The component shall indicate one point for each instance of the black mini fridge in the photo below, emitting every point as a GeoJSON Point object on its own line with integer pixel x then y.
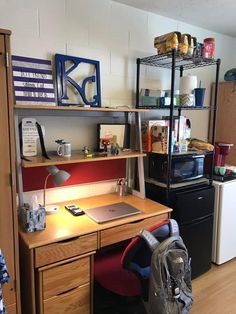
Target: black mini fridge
{"type": "Point", "coordinates": [193, 209]}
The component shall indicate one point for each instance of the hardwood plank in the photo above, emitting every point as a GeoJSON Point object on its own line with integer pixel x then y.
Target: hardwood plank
{"type": "Point", "coordinates": [40, 161]}
{"type": "Point", "coordinates": [73, 302]}
{"type": "Point", "coordinates": [74, 108]}
{"type": "Point", "coordinates": [11, 309]}
{"type": "Point", "coordinates": [129, 230]}
{"type": "Point", "coordinates": [63, 225]}
{"type": "Point", "coordinates": [65, 277]}
{"type": "Point", "coordinates": [215, 291]}
{"type": "Point", "coordinates": [5, 31]}
{"type": "Point", "coordinates": [6, 200]}
{"type": "Point", "coordinates": [28, 283]}
{"type": "Point", "coordinates": [10, 96]}
{"type": "Point", "coordinates": [226, 117]}
{"type": "Point", "coordinates": [59, 251]}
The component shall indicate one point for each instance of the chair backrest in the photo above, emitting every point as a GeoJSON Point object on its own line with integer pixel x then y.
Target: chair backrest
{"type": "Point", "coordinates": [138, 252]}
{"type": "Point", "coordinates": [137, 255]}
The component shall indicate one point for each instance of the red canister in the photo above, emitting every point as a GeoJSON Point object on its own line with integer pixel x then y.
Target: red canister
{"type": "Point", "coordinates": [209, 47]}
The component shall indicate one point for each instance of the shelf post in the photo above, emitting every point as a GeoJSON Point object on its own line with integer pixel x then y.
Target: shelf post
{"type": "Point", "coordinates": [181, 71]}
{"type": "Point", "coordinates": [139, 164]}
{"type": "Point", "coordinates": [218, 62]}
{"type": "Point", "coordinates": [171, 118]}
{"type": "Point", "coordinates": [137, 82]}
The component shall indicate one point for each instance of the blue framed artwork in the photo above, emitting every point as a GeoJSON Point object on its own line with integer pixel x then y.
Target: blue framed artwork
{"type": "Point", "coordinates": [33, 81]}
{"type": "Point", "coordinates": [78, 81]}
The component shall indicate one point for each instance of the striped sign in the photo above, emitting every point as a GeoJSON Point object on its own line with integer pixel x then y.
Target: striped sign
{"type": "Point", "coordinates": [33, 81]}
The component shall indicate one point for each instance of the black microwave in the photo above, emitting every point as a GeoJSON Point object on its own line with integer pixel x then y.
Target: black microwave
{"type": "Point", "coordinates": [184, 167]}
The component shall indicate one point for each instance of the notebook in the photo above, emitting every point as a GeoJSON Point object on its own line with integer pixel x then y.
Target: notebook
{"type": "Point", "coordinates": [111, 212]}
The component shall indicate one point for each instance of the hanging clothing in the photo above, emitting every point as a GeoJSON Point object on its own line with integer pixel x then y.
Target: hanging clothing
{"type": "Point", "coordinates": [4, 277]}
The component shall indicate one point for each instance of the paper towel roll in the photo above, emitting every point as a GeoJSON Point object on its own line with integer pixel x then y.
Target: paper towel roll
{"type": "Point", "coordinates": [187, 84]}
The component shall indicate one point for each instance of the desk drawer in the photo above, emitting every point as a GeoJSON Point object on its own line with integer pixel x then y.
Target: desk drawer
{"type": "Point", "coordinates": [72, 302]}
{"type": "Point", "coordinates": [129, 230]}
{"type": "Point", "coordinates": [65, 277]}
{"type": "Point", "coordinates": [61, 250]}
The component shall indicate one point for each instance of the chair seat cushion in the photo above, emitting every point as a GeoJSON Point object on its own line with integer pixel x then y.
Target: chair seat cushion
{"type": "Point", "coordinates": [108, 272]}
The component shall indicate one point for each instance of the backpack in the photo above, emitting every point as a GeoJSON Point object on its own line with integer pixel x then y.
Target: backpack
{"type": "Point", "coordinates": [170, 288]}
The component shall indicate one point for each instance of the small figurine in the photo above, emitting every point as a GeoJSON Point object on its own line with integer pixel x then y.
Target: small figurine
{"type": "Point", "coordinates": [115, 149]}
{"type": "Point", "coordinates": [85, 150]}
{"type": "Point", "coordinates": [105, 143]}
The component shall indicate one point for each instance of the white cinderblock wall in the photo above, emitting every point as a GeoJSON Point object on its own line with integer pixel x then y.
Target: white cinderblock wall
{"type": "Point", "coordinates": [115, 35]}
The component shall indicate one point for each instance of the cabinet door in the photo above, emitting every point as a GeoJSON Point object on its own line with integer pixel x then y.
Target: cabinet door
{"type": "Point", "coordinates": [6, 214]}
{"type": "Point", "coordinates": [197, 237]}
{"type": "Point", "coordinates": [226, 117]}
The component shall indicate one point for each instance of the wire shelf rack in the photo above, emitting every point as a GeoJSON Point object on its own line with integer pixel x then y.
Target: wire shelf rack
{"type": "Point", "coordinates": [179, 108]}
{"type": "Point", "coordinates": [182, 61]}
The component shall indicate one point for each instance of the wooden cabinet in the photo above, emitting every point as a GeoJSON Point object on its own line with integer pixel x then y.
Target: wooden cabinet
{"type": "Point", "coordinates": [74, 302]}
{"type": "Point", "coordinates": [8, 219]}
{"type": "Point", "coordinates": [126, 231]}
{"type": "Point", "coordinates": [65, 287]}
{"type": "Point", "coordinates": [58, 251]}
{"type": "Point", "coordinates": [226, 117]}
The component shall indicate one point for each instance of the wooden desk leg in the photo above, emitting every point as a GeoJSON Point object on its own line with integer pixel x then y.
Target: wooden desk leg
{"type": "Point", "coordinates": [27, 279]}
{"type": "Point", "coordinates": [91, 282]}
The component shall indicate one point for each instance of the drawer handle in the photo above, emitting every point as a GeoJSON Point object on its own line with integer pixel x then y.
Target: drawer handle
{"type": "Point", "coordinates": [136, 222]}
{"type": "Point", "coordinates": [66, 241]}
{"type": "Point", "coordinates": [68, 291]}
{"type": "Point", "coordinates": [200, 198]}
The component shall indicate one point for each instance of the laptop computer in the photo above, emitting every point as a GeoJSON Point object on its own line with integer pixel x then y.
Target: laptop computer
{"type": "Point", "coordinates": [111, 212]}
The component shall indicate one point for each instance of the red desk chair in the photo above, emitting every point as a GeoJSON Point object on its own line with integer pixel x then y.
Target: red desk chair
{"type": "Point", "coordinates": [126, 272]}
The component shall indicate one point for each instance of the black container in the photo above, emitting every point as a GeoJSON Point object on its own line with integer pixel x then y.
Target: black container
{"type": "Point", "coordinates": [193, 209]}
{"type": "Point", "coordinates": [184, 167]}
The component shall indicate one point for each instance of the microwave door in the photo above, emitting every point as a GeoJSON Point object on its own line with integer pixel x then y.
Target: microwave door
{"type": "Point", "coordinates": [198, 166]}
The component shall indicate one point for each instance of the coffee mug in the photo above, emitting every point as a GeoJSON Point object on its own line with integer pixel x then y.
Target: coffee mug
{"type": "Point", "coordinates": [64, 149]}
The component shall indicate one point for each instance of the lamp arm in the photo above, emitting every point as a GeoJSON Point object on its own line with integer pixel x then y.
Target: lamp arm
{"type": "Point", "coordinates": [44, 189]}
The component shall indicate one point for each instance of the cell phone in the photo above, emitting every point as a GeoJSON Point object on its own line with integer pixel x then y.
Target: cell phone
{"type": "Point", "coordinates": [74, 209]}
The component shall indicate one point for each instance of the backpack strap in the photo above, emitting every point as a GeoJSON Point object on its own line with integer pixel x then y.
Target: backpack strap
{"type": "Point", "coordinates": [149, 238]}
{"type": "Point", "coordinates": [174, 228]}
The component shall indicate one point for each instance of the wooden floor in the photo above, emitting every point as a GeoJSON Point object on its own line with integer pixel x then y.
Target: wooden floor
{"type": "Point", "coordinates": [215, 291]}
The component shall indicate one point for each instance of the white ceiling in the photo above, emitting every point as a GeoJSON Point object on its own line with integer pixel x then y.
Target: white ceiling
{"type": "Point", "coordinates": [215, 15]}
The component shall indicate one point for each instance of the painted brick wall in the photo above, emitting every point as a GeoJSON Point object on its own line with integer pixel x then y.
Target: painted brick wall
{"type": "Point", "coordinates": [112, 33]}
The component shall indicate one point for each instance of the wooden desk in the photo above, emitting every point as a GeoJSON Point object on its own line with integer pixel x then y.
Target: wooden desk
{"type": "Point", "coordinates": [57, 263]}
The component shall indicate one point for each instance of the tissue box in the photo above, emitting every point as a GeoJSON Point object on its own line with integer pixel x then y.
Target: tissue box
{"type": "Point", "coordinates": [33, 220]}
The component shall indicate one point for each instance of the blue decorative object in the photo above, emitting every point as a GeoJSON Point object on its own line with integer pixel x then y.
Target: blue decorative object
{"type": "Point", "coordinates": [230, 75]}
{"type": "Point", "coordinates": [65, 68]}
{"type": "Point", "coordinates": [4, 278]}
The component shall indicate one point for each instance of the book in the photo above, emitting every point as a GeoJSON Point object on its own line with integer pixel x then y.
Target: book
{"type": "Point", "coordinates": [160, 137]}
{"type": "Point", "coordinates": [146, 126]}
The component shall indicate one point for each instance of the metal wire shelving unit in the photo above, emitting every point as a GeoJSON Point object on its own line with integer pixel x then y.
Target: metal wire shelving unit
{"type": "Point", "coordinates": [176, 61]}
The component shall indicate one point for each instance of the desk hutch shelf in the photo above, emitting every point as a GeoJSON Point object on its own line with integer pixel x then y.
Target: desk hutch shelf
{"type": "Point", "coordinates": [129, 115]}
{"type": "Point", "coordinates": [40, 161]}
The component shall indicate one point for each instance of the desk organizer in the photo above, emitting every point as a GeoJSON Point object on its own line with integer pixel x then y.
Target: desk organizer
{"type": "Point", "coordinates": [33, 220]}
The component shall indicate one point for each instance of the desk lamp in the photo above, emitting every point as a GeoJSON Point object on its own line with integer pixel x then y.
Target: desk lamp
{"type": "Point", "coordinates": [58, 177]}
